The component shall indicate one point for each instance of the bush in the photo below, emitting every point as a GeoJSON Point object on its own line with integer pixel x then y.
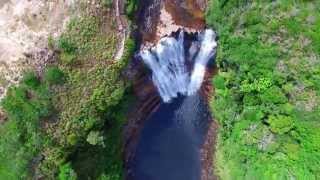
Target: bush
{"type": "Point", "coordinates": [67, 173]}
{"type": "Point", "coordinates": [31, 80]}
{"type": "Point", "coordinates": [67, 45]}
{"type": "Point", "coordinates": [131, 8]}
{"type": "Point", "coordinates": [274, 95]}
{"type": "Point", "coordinates": [95, 138]}
{"type": "Point", "coordinates": [53, 75]}
{"type": "Point", "coordinates": [280, 124]}
{"type": "Point", "coordinates": [130, 48]}
{"type": "Point", "coordinates": [67, 59]}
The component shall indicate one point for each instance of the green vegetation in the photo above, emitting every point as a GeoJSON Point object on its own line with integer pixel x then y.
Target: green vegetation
{"type": "Point", "coordinates": [91, 118]}
{"type": "Point", "coordinates": [54, 75]}
{"type": "Point", "coordinates": [28, 106]}
{"type": "Point", "coordinates": [107, 3]}
{"type": "Point", "coordinates": [131, 8]}
{"type": "Point", "coordinates": [67, 173]}
{"type": "Point", "coordinates": [267, 92]}
{"type": "Point", "coordinates": [67, 124]}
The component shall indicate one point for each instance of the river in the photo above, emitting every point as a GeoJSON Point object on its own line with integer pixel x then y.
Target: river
{"type": "Point", "coordinates": [170, 142]}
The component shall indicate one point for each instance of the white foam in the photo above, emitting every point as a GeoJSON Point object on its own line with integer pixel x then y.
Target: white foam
{"type": "Point", "coordinates": [167, 62]}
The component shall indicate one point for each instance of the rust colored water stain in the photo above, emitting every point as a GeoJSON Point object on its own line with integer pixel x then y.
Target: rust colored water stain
{"type": "Point", "coordinates": [159, 18]}
{"type": "Point", "coordinates": [186, 13]}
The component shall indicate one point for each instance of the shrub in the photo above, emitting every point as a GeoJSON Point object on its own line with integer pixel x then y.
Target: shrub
{"type": "Point", "coordinates": [67, 45]}
{"type": "Point", "coordinates": [219, 82]}
{"type": "Point", "coordinates": [274, 95]}
{"type": "Point", "coordinates": [53, 75]}
{"type": "Point", "coordinates": [280, 124]}
{"type": "Point", "coordinates": [131, 7]}
{"type": "Point", "coordinates": [130, 48]}
{"type": "Point", "coordinates": [67, 59]}
{"type": "Point", "coordinates": [31, 80]}
{"type": "Point", "coordinates": [67, 173]}
{"type": "Point", "coordinates": [95, 138]}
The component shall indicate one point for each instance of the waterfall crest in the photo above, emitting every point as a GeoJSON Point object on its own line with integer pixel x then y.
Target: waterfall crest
{"type": "Point", "coordinates": [167, 61]}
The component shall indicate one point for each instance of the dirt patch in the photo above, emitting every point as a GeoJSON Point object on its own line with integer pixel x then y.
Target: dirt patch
{"type": "Point", "coordinates": [24, 30]}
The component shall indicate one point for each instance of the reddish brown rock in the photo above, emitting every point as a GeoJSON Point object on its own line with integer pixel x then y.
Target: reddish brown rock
{"type": "Point", "coordinates": [208, 148]}
{"type": "Point", "coordinates": [186, 13]}
{"type": "Point", "coordinates": [159, 18]}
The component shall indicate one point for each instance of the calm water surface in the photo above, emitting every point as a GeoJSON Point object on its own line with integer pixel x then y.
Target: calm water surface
{"type": "Point", "coordinates": [170, 142]}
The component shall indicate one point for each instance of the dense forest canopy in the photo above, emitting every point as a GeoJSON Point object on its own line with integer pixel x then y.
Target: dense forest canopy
{"type": "Point", "coordinates": [267, 91]}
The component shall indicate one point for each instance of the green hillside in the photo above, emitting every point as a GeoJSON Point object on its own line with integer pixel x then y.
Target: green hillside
{"type": "Point", "coordinates": [66, 123]}
{"type": "Point", "coordinates": [267, 93]}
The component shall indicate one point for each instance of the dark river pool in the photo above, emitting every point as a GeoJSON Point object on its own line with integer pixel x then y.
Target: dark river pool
{"type": "Point", "coordinates": [171, 139]}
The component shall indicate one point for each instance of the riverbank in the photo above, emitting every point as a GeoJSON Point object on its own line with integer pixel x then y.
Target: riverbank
{"type": "Point", "coordinates": [209, 148]}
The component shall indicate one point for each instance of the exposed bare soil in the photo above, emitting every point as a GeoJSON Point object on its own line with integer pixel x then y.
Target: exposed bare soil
{"type": "Point", "coordinates": [24, 30]}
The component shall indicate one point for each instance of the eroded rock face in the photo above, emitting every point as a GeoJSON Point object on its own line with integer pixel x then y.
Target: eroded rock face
{"type": "Point", "coordinates": [148, 18]}
{"type": "Point", "coordinates": [187, 13]}
{"type": "Point", "coordinates": [25, 26]}
{"type": "Point", "coordinates": [159, 18]}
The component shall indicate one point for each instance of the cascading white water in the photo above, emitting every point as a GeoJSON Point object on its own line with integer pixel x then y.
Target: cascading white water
{"type": "Point", "coordinates": [167, 61]}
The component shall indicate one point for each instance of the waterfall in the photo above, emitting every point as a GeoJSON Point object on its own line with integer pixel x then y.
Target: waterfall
{"type": "Point", "coordinates": [167, 61]}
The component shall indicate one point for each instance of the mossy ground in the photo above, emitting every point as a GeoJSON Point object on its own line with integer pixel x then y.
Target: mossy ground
{"type": "Point", "coordinates": [267, 97]}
